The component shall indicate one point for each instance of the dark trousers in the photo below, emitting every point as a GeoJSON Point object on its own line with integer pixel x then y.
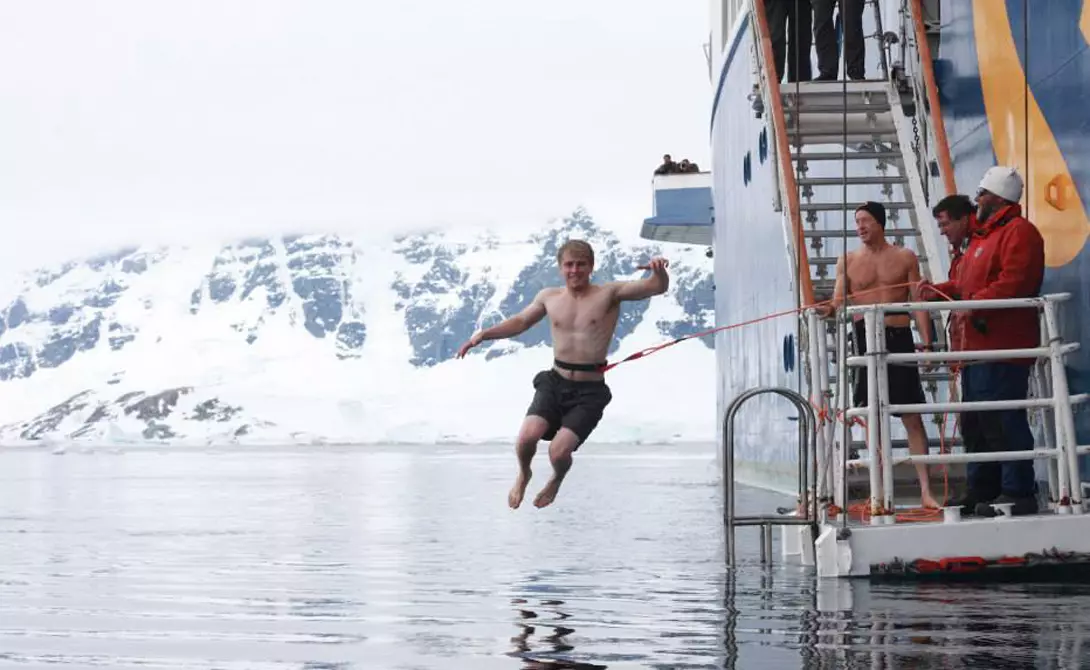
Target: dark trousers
{"type": "Point", "coordinates": [790, 23]}
{"type": "Point", "coordinates": [1004, 430]}
{"type": "Point", "coordinates": [851, 15]}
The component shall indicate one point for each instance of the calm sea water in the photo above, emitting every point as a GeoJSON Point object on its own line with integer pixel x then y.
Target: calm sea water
{"type": "Point", "coordinates": [409, 558]}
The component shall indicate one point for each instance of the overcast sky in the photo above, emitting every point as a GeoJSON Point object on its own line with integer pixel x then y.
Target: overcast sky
{"type": "Point", "coordinates": [155, 120]}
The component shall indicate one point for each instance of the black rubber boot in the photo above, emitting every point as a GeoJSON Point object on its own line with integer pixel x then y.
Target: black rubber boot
{"type": "Point", "coordinates": [1022, 506]}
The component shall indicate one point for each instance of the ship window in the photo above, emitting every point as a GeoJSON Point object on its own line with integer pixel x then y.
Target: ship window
{"type": "Point", "coordinates": [788, 352]}
{"type": "Point", "coordinates": [730, 10]}
{"type": "Point", "coordinates": [727, 16]}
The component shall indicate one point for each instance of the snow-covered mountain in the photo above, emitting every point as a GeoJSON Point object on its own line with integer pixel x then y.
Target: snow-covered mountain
{"type": "Point", "coordinates": [333, 338]}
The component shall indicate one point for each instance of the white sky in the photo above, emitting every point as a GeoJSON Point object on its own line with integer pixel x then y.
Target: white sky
{"type": "Point", "coordinates": [147, 120]}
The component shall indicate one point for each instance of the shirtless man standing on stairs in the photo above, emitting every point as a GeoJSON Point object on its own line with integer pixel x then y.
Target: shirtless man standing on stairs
{"type": "Point", "coordinates": [880, 272]}
{"type": "Point", "coordinates": [571, 396]}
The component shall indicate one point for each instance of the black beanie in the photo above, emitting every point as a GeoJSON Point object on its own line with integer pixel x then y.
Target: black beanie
{"type": "Point", "coordinates": [876, 210]}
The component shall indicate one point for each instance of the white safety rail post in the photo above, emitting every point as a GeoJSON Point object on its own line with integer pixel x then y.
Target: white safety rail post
{"type": "Point", "coordinates": [1061, 401]}
{"type": "Point", "coordinates": [845, 442]}
{"type": "Point", "coordinates": [874, 428]}
{"type": "Point", "coordinates": [1046, 417]}
{"type": "Point", "coordinates": [886, 443]}
{"type": "Point", "coordinates": [828, 424]}
{"type": "Point", "coordinates": [1062, 413]}
{"type": "Point", "coordinates": [819, 398]}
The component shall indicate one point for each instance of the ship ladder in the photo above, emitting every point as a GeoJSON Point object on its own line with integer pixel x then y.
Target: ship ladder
{"type": "Point", "coordinates": [807, 511]}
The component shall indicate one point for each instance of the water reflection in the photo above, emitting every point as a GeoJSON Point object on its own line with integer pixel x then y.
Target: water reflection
{"type": "Point", "coordinates": [925, 626]}
{"type": "Point", "coordinates": [538, 640]}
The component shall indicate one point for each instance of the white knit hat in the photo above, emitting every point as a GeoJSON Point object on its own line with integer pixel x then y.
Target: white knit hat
{"type": "Point", "coordinates": [1003, 181]}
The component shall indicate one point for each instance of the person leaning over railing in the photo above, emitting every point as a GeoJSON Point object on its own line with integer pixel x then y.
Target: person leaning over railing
{"type": "Point", "coordinates": [1005, 259]}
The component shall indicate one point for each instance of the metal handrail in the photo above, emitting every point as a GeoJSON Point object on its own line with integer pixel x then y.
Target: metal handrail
{"type": "Point", "coordinates": [878, 409]}
{"type": "Point", "coordinates": [807, 431]}
{"type": "Point", "coordinates": [771, 86]}
{"type": "Point", "coordinates": [959, 305]}
{"type": "Point", "coordinates": [937, 127]}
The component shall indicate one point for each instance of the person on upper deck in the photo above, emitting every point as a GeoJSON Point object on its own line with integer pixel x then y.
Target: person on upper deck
{"type": "Point", "coordinates": [688, 167]}
{"type": "Point", "coordinates": [851, 15]}
{"type": "Point", "coordinates": [1005, 259]}
{"type": "Point", "coordinates": [956, 217]}
{"type": "Point", "coordinates": [668, 166]}
{"type": "Point", "coordinates": [790, 23]}
{"type": "Point", "coordinates": [880, 272]}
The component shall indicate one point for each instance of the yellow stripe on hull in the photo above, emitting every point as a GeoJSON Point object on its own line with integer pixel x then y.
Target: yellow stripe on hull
{"type": "Point", "coordinates": [1051, 200]}
{"type": "Point", "coordinates": [1084, 23]}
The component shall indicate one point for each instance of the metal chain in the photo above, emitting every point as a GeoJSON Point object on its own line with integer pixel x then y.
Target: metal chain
{"type": "Point", "coordinates": [916, 135]}
{"type": "Point", "coordinates": [921, 163]}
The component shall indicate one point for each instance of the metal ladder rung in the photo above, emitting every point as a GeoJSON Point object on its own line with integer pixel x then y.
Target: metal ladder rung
{"type": "Point", "coordinates": [847, 155]}
{"type": "Point", "coordinates": [803, 106]}
{"type": "Point", "coordinates": [850, 181]}
{"type": "Point", "coordinates": [801, 139]}
{"type": "Point", "coordinates": [879, 88]}
{"type": "Point", "coordinates": [834, 234]}
{"type": "Point", "coordinates": [831, 261]}
{"type": "Point", "coordinates": [841, 206]}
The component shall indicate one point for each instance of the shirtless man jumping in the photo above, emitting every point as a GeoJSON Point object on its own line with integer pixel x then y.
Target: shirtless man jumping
{"type": "Point", "coordinates": [571, 396]}
{"type": "Point", "coordinates": [881, 273]}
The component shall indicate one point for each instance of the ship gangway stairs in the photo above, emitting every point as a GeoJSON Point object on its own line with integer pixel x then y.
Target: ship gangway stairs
{"type": "Point", "coordinates": [837, 145]}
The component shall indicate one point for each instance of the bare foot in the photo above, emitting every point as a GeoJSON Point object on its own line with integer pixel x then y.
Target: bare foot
{"type": "Point", "coordinates": [514, 498]}
{"type": "Point", "coordinates": [547, 494]}
{"type": "Point", "coordinates": [929, 503]}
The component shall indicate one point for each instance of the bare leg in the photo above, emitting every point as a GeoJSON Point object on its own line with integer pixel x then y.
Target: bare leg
{"type": "Point", "coordinates": [560, 451]}
{"type": "Point", "coordinates": [533, 427]}
{"type": "Point", "coordinates": [917, 446]}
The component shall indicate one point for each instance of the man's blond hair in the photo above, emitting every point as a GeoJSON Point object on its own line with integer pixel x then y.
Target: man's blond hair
{"type": "Point", "coordinates": [577, 249]}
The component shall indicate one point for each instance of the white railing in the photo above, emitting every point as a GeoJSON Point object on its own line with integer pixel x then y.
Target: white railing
{"type": "Point", "coordinates": [1060, 449]}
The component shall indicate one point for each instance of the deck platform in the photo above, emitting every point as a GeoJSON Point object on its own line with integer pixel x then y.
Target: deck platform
{"type": "Point", "coordinates": [942, 547]}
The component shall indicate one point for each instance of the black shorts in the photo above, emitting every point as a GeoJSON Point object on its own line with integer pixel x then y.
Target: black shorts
{"type": "Point", "coordinates": [905, 386]}
{"type": "Point", "coordinates": [577, 406]}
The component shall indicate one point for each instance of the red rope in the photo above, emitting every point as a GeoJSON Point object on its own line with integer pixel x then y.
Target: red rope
{"type": "Point", "coordinates": [659, 347]}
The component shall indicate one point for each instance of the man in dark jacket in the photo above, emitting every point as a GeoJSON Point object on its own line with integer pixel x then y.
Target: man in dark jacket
{"type": "Point", "coordinates": [1005, 259]}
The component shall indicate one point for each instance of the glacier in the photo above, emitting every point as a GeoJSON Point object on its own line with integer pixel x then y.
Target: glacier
{"type": "Point", "coordinates": [332, 338]}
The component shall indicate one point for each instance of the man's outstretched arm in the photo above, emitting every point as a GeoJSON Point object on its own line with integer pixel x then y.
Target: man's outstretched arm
{"type": "Point", "coordinates": [516, 325]}
{"type": "Point", "coordinates": [656, 284]}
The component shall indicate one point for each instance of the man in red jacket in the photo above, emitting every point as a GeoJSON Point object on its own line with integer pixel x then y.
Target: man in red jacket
{"type": "Point", "coordinates": [1005, 259]}
{"type": "Point", "coordinates": [956, 218]}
